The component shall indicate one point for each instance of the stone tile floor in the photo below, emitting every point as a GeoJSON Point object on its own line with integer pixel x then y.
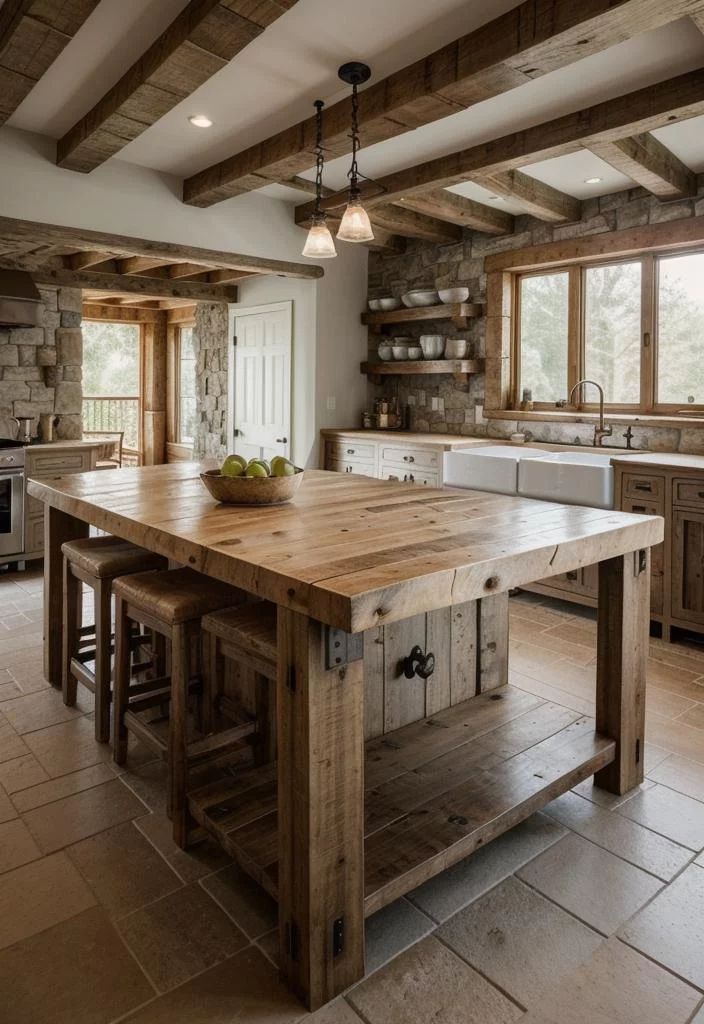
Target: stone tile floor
{"type": "Point", "coordinates": [591, 912]}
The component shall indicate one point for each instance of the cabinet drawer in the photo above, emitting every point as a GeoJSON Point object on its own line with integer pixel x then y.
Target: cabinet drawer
{"type": "Point", "coordinates": [410, 476]}
{"type": "Point", "coordinates": [584, 582]}
{"type": "Point", "coordinates": [688, 492]}
{"type": "Point", "coordinates": [636, 485]}
{"type": "Point", "coordinates": [361, 468]}
{"type": "Point", "coordinates": [657, 553]}
{"type": "Point", "coordinates": [402, 456]}
{"type": "Point", "coordinates": [344, 451]}
{"type": "Point", "coordinates": [48, 465]}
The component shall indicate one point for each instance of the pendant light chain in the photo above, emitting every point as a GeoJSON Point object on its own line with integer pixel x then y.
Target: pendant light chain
{"type": "Point", "coordinates": [319, 243]}
{"type": "Point", "coordinates": [319, 155]}
{"type": "Point", "coordinates": [353, 172]}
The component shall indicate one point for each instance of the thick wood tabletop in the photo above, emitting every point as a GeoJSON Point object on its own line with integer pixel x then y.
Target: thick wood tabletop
{"type": "Point", "coordinates": [351, 551]}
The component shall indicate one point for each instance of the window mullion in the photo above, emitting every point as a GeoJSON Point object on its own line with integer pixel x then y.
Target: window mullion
{"type": "Point", "coordinates": [648, 367]}
{"type": "Point", "coordinates": [575, 340]}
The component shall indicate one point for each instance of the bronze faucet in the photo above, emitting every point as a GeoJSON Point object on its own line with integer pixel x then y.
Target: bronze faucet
{"type": "Point", "coordinates": [601, 431]}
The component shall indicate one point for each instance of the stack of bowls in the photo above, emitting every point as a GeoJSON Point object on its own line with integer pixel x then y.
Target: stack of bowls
{"type": "Point", "coordinates": [432, 345]}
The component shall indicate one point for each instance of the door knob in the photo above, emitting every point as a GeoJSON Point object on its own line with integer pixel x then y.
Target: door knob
{"type": "Point", "coordinates": [282, 440]}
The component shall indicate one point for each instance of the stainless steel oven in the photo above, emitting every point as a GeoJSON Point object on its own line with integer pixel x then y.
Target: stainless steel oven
{"type": "Point", "coordinates": [11, 502]}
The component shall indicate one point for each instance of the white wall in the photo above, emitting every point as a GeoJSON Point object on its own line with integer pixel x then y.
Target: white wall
{"type": "Point", "coordinates": [329, 342]}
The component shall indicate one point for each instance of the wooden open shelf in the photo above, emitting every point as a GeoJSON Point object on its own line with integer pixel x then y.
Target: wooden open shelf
{"type": "Point", "coordinates": [436, 790]}
{"type": "Point", "coordinates": [458, 312]}
{"type": "Point", "coordinates": [392, 367]}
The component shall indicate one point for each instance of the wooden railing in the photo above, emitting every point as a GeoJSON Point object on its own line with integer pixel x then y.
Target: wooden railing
{"type": "Point", "coordinates": [115, 413]}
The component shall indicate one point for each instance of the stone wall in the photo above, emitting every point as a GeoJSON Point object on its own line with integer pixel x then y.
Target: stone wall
{"type": "Point", "coordinates": [444, 406]}
{"type": "Point", "coordinates": [41, 367]}
{"type": "Point", "coordinates": [210, 340]}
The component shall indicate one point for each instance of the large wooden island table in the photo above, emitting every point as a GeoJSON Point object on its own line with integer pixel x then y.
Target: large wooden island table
{"type": "Point", "coordinates": [452, 758]}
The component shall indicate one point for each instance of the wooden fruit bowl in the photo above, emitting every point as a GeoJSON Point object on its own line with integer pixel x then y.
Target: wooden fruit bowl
{"type": "Point", "coordinates": [244, 490]}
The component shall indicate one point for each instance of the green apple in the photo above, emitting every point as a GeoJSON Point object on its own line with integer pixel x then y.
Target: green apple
{"type": "Point", "coordinates": [260, 462]}
{"type": "Point", "coordinates": [234, 465]}
{"type": "Point", "coordinates": [255, 469]}
{"type": "Point", "coordinates": [282, 467]}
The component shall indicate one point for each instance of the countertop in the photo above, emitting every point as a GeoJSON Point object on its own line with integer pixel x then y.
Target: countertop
{"type": "Point", "coordinates": [55, 446]}
{"type": "Point", "coordinates": [443, 442]}
{"type": "Point", "coordinates": [670, 460]}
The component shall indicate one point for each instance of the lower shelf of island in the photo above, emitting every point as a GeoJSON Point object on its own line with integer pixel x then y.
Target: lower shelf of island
{"type": "Point", "coordinates": [435, 790]}
{"type": "Point", "coordinates": [457, 367]}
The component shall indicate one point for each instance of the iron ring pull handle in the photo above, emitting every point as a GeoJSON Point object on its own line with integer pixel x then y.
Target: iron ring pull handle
{"type": "Point", "coordinates": [419, 664]}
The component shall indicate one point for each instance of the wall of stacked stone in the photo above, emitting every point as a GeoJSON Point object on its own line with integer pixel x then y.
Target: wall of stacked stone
{"type": "Point", "coordinates": [459, 407]}
{"type": "Point", "coordinates": [210, 339]}
{"type": "Point", "coordinates": [41, 367]}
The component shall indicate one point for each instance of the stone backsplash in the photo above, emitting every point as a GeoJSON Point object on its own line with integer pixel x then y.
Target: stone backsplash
{"type": "Point", "coordinates": [443, 405]}
{"type": "Point", "coordinates": [41, 367]}
{"type": "Point", "coordinates": [210, 341]}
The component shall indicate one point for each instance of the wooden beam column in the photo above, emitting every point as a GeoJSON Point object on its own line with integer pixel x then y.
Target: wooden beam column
{"type": "Point", "coordinates": [321, 814]}
{"type": "Point", "coordinates": [58, 527]}
{"type": "Point", "coordinates": [154, 391]}
{"type": "Point", "coordinates": [622, 650]}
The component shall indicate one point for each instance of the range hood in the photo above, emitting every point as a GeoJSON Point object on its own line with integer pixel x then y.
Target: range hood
{"type": "Point", "coordinates": [20, 302]}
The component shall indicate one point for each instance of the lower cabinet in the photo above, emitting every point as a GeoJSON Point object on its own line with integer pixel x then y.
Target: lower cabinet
{"type": "Point", "coordinates": [688, 565]}
{"type": "Point", "coordinates": [409, 476]}
{"type": "Point", "coordinates": [41, 463]}
{"type": "Point", "coordinates": [413, 464]}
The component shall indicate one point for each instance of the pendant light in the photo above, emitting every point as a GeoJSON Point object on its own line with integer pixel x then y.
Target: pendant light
{"type": "Point", "coordinates": [319, 243]}
{"type": "Point", "coordinates": [355, 225]}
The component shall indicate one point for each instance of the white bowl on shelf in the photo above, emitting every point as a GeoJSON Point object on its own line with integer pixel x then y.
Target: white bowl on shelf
{"type": "Point", "coordinates": [449, 296]}
{"type": "Point", "coordinates": [415, 352]}
{"type": "Point", "coordinates": [400, 352]}
{"type": "Point", "coordinates": [420, 297]}
{"type": "Point", "coordinates": [385, 351]}
{"type": "Point", "coordinates": [389, 304]}
{"type": "Point", "coordinates": [456, 348]}
{"type": "Point", "coordinates": [374, 305]}
{"type": "Point", "coordinates": [432, 345]}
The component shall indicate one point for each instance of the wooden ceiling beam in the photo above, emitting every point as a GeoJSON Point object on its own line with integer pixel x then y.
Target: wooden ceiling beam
{"type": "Point", "coordinates": [531, 40]}
{"type": "Point", "coordinates": [201, 41]}
{"type": "Point", "coordinates": [675, 99]}
{"type": "Point", "coordinates": [32, 35]}
{"type": "Point", "coordinates": [34, 234]}
{"type": "Point", "coordinates": [645, 160]}
{"type": "Point", "coordinates": [83, 260]}
{"type": "Point", "coordinates": [195, 291]}
{"type": "Point", "coordinates": [98, 310]}
{"type": "Point", "coordinates": [460, 210]}
{"type": "Point", "coordinates": [138, 265]}
{"type": "Point", "coordinates": [532, 196]}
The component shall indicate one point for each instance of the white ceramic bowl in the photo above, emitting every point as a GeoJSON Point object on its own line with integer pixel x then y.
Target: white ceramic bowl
{"type": "Point", "coordinates": [415, 352]}
{"type": "Point", "coordinates": [450, 295]}
{"type": "Point", "coordinates": [456, 348]}
{"type": "Point", "coordinates": [385, 351]}
{"type": "Point", "coordinates": [374, 305]}
{"type": "Point", "coordinates": [420, 297]}
{"type": "Point", "coordinates": [432, 345]}
{"type": "Point", "coordinates": [389, 304]}
{"type": "Point", "coordinates": [400, 352]}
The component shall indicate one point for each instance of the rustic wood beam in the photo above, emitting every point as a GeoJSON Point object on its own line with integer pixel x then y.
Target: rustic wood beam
{"type": "Point", "coordinates": [385, 241]}
{"type": "Point", "coordinates": [190, 270]}
{"type": "Point", "coordinates": [529, 41]}
{"type": "Point", "coordinates": [460, 210]}
{"type": "Point", "coordinates": [83, 260]}
{"type": "Point", "coordinates": [35, 234]}
{"type": "Point", "coordinates": [675, 99]}
{"type": "Point", "coordinates": [193, 290]}
{"type": "Point", "coordinates": [533, 196]}
{"type": "Point", "coordinates": [201, 41]}
{"type": "Point", "coordinates": [120, 314]}
{"type": "Point", "coordinates": [645, 160]}
{"type": "Point", "coordinates": [228, 276]}
{"type": "Point", "coordinates": [139, 265]}
{"type": "Point", "coordinates": [32, 35]}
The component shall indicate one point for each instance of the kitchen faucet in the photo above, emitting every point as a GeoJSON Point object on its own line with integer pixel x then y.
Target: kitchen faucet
{"type": "Point", "coordinates": [601, 431]}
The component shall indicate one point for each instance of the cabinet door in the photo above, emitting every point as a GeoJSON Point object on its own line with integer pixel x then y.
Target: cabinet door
{"type": "Point", "coordinates": [657, 554]}
{"type": "Point", "coordinates": [688, 565]}
{"type": "Point", "coordinates": [360, 468]}
{"type": "Point", "coordinates": [415, 476]}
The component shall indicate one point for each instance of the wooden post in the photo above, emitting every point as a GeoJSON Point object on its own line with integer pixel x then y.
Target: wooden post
{"type": "Point", "coordinates": [321, 814]}
{"type": "Point", "coordinates": [58, 527]}
{"type": "Point", "coordinates": [492, 642]}
{"type": "Point", "coordinates": [622, 650]}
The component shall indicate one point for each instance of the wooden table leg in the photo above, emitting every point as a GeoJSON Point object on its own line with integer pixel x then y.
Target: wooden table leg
{"type": "Point", "coordinates": [321, 814]}
{"type": "Point", "coordinates": [622, 650]}
{"type": "Point", "coordinates": [58, 527]}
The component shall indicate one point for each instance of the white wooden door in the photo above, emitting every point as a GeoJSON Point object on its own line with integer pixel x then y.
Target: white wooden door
{"type": "Point", "coordinates": [260, 395]}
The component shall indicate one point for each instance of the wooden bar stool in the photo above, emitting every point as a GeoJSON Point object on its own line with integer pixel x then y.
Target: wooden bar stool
{"type": "Point", "coordinates": [172, 604]}
{"type": "Point", "coordinates": [96, 561]}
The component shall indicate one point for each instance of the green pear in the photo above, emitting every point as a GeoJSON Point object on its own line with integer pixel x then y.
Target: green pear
{"type": "Point", "coordinates": [282, 467]}
{"type": "Point", "coordinates": [255, 469]}
{"type": "Point", "coordinates": [234, 465]}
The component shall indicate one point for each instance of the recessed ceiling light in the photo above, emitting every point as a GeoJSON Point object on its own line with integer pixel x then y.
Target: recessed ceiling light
{"type": "Point", "coordinates": [592, 181]}
{"type": "Point", "coordinates": [200, 121]}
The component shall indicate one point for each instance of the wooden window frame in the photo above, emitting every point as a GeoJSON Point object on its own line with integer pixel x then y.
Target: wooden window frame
{"type": "Point", "coordinates": [129, 322]}
{"type": "Point", "coordinates": [177, 450]}
{"type": "Point", "coordinates": [647, 405]}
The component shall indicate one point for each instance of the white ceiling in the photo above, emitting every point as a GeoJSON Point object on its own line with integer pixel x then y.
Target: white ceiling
{"type": "Point", "coordinates": [273, 82]}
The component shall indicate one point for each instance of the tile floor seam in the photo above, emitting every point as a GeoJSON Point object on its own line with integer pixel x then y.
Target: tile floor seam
{"type": "Point", "coordinates": [480, 972]}
{"type": "Point", "coordinates": [618, 810]}
{"type": "Point", "coordinates": [252, 938]}
{"type": "Point", "coordinates": [56, 778]}
{"type": "Point", "coordinates": [658, 963]}
{"type": "Point", "coordinates": [692, 1019]}
{"type": "Point", "coordinates": [131, 952]}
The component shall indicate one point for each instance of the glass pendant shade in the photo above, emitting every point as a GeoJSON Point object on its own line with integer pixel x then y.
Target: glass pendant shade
{"type": "Point", "coordinates": [319, 243]}
{"type": "Point", "coordinates": [355, 225]}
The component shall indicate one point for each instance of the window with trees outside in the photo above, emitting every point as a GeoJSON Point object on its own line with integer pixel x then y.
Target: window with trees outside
{"type": "Point", "coordinates": [186, 405]}
{"type": "Point", "coordinates": [111, 380]}
{"type": "Point", "coordinates": [635, 326]}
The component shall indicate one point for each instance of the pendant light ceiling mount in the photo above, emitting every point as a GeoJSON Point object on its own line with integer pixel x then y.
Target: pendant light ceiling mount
{"type": "Point", "coordinates": [355, 73]}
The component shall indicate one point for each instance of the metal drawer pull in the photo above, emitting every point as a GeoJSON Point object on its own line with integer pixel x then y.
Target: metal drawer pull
{"type": "Point", "coordinates": [350, 451]}
{"type": "Point", "coordinates": [408, 458]}
{"type": "Point", "coordinates": [419, 664]}
{"type": "Point", "coordinates": [638, 508]}
{"type": "Point", "coordinates": [572, 575]}
{"type": "Point", "coordinates": [643, 487]}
